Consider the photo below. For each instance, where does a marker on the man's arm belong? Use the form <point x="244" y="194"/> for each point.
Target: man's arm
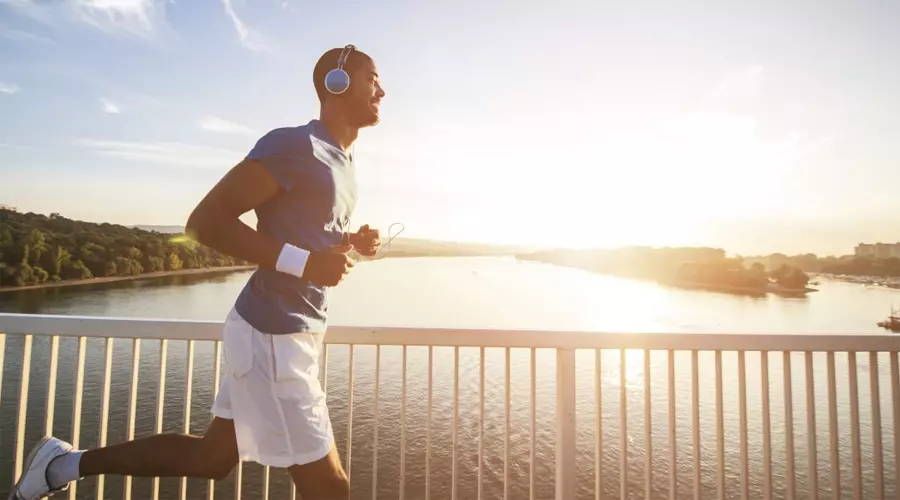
<point x="215" y="222"/>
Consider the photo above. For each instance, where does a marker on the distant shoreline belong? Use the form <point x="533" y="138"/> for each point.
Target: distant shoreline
<point x="678" y="283"/>
<point x="205" y="270"/>
<point x="113" y="279"/>
<point x="726" y="288"/>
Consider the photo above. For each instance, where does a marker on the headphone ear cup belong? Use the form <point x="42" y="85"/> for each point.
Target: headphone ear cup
<point x="337" y="81"/>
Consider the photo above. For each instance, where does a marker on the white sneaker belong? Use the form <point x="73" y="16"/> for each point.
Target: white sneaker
<point x="33" y="483"/>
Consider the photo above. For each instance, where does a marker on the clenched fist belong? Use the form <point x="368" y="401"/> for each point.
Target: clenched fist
<point x="366" y="241"/>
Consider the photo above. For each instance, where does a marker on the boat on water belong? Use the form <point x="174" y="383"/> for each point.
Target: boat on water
<point x="892" y="322"/>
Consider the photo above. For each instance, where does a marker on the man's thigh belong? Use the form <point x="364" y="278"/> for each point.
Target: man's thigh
<point x="323" y="479"/>
<point x="220" y="435"/>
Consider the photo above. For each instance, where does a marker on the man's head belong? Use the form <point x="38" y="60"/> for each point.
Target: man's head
<point x="358" y="105"/>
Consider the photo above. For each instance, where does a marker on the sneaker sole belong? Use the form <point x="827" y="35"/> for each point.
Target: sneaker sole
<point x="13" y="495"/>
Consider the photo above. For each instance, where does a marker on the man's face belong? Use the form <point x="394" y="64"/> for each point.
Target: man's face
<point x="363" y="98"/>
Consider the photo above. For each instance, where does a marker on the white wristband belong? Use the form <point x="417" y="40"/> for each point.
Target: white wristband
<point x="292" y="260"/>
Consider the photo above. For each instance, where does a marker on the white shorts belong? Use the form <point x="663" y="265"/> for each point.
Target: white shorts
<point x="271" y="391"/>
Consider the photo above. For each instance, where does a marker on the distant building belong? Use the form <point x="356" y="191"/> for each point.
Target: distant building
<point x="878" y="250"/>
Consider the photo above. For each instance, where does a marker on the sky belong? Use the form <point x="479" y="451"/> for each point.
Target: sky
<point x="759" y="127"/>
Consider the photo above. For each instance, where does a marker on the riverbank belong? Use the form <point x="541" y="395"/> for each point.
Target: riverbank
<point x="742" y="290"/>
<point x="113" y="279"/>
<point x="650" y="274"/>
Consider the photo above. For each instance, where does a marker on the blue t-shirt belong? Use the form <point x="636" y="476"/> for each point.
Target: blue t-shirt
<point x="311" y="211"/>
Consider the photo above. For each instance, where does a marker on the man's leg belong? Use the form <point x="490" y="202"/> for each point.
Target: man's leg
<point x="324" y="479"/>
<point x="211" y="456"/>
<point x="52" y="464"/>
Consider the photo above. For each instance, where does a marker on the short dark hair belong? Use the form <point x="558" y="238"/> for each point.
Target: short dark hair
<point x="329" y="61"/>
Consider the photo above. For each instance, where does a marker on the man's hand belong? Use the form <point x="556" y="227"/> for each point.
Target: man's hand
<point x="327" y="268"/>
<point x="366" y="241"/>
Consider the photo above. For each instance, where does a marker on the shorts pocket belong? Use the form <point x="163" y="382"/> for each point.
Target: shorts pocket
<point x="238" y="346"/>
<point x="295" y="358"/>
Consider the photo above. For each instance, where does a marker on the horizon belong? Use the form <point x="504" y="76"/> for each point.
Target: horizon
<point x="518" y="246"/>
<point x="756" y="129"/>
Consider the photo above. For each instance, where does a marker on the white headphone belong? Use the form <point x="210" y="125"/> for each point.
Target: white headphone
<point x="337" y="81"/>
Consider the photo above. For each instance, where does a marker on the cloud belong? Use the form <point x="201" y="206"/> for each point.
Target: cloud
<point x="109" y="107"/>
<point x="250" y="38"/>
<point x="9" y="88"/>
<point x="172" y="154"/>
<point x="140" y="18"/>
<point x="216" y="124"/>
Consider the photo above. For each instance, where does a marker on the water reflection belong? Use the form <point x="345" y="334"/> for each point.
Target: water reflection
<point x="501" y="294"/>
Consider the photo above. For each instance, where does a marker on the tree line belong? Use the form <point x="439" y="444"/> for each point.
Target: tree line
<point x="733" y="273"/>
<point x="697" y="265"/>
<point x="847" y="264"/>
<point x="37" y="249"/>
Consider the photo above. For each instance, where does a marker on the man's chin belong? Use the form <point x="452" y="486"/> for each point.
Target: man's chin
<point x="370" y="120"/>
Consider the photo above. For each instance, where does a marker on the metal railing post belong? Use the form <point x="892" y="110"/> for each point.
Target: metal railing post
<point x="565" y="424"/>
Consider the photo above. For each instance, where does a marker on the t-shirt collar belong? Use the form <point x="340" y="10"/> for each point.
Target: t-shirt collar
<point x="323" y="133"/>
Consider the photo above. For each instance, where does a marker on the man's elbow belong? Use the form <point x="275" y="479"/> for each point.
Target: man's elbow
<point x="198" y="225"/>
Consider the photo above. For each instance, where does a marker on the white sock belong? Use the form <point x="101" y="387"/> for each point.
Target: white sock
<point x="64" y="469"/>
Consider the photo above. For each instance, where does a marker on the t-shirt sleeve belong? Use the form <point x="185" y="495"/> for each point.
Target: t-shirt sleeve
<point x="284" y="154"/>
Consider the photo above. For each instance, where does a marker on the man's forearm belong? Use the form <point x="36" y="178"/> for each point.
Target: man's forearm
<point x="236" y="239"/>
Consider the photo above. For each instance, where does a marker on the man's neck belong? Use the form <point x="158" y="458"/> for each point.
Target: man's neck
<point x="343" y="133"/>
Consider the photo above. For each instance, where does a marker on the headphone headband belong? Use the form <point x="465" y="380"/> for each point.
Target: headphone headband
<point x="345" y="54"/>
<point x="337" y="81"/>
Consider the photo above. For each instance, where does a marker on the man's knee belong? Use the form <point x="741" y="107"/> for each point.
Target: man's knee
<point x="219" y="451"/>
<point x="220" y="458"/>
<point x="215" y="462"/>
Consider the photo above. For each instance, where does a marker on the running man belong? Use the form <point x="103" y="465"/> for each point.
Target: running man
<point x="270" y="408"/>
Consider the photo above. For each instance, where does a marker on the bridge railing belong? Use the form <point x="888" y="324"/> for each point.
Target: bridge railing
<point x="436" y="413"/>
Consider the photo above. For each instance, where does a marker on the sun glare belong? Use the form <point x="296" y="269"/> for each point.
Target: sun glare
<point x="656" y="188"/>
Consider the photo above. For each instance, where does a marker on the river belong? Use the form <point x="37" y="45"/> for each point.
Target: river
<point x="481" y="293"/>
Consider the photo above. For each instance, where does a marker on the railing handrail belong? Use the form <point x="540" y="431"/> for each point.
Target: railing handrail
<point x="207" y="330"/>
